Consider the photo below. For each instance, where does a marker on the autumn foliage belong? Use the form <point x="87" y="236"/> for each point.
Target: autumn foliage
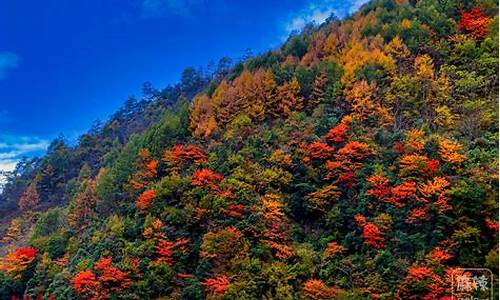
<point x="181" y="155"/>
<point x="338" y="134"/>
<point x="317" y="150"/>
<point x="317" y="290"/>
<point x="29" y="198"/>
<point x="146" y="169"/>
<point x="276" y="234"/>
<point x="422" y="282"/>
<point x="379" y="187"/>
<point x="145" y="199"/>
<point x="418" y="165"/>
<point x="85" y="205"/>
<point x="216" y="285"/>
<point x="205" y="178"/>
<point x="18" y="261"/>
<point x="450" y="151"/>
<point x="474" y="23"/>
<point x="440" y="255"/>
<point x="402" y="193"/>
<point x="354" y="152"/>
<point x="333" y="249"/>
<point x="101" y="282"/>
<point x="372" y="235"/>
<point x="415" y="140"/>
<point x="86" y="284"/>
<point x="323" y="198"/>
<point x="165" y="250"/>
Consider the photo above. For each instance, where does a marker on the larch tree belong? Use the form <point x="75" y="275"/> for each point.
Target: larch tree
<point x="203" y="122"/>
<point x="223" y="245"/>
<point x="276" y="235"/>
<point x="270" y="93"/>
<point x="244" y="91"/>
<point x="366" y="105"/>
<point x="257" y="108"/>
<point x="84" y="205"/>
<point x="219" y="101"/>
<point x="29" y="198"/>
<point x="13" y="232"/>
<point x="397" y="49"/>
<point x="289" y="97"/>
<point x="331" y="45"/>
<point x="318" y="92"/>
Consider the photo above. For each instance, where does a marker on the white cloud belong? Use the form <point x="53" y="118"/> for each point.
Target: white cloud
<point x="8" y="61"/>
<point x="296" y="24"/>
<point x="319" y="11"/>
<point x="12" y="149"/>
<point x="8" y="165"/>
<point x="355" y="4"/>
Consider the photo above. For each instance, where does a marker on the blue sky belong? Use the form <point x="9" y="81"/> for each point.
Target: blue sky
<point x="64" y="64"/>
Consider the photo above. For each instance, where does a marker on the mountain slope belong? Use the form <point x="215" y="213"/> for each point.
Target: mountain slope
<point x="358" y="161"/>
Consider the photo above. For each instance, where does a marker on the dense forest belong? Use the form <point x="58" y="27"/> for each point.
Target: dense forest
<point x="357" y="161"/>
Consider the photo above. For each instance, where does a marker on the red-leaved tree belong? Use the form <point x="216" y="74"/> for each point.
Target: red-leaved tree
<point x="218" y="285"/>
<point x="474" y="23"/>
<point x="102" y="281"/>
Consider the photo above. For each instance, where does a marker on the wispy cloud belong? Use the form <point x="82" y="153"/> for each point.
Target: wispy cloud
<point x="8" y="61"/>
<point x="319" y="11"/>
<point x="13" y="148"/>
<point x="182" y="8"/>
<point x="157" y="8"/>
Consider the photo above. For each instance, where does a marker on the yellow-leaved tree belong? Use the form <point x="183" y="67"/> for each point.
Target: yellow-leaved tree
<point x="203" y="121"/>
<point x="289" y="97"/>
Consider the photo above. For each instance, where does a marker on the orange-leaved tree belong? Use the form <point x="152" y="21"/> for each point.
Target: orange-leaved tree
<point x="18" y="261"/>
<point x="203" y="122"/>
<point x="332" y="249"/>
<point x="450" y="151"/>
<point x="289" y="97"/>
<point x="277" y="233"/>
<point x="146" y="169"/>
<point x="317" y="290"/>
<point x="145" y="199"/>
<point x="29" y="198"/>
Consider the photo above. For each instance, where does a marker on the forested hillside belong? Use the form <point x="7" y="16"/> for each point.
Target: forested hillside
<point x="357" y="161"/>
